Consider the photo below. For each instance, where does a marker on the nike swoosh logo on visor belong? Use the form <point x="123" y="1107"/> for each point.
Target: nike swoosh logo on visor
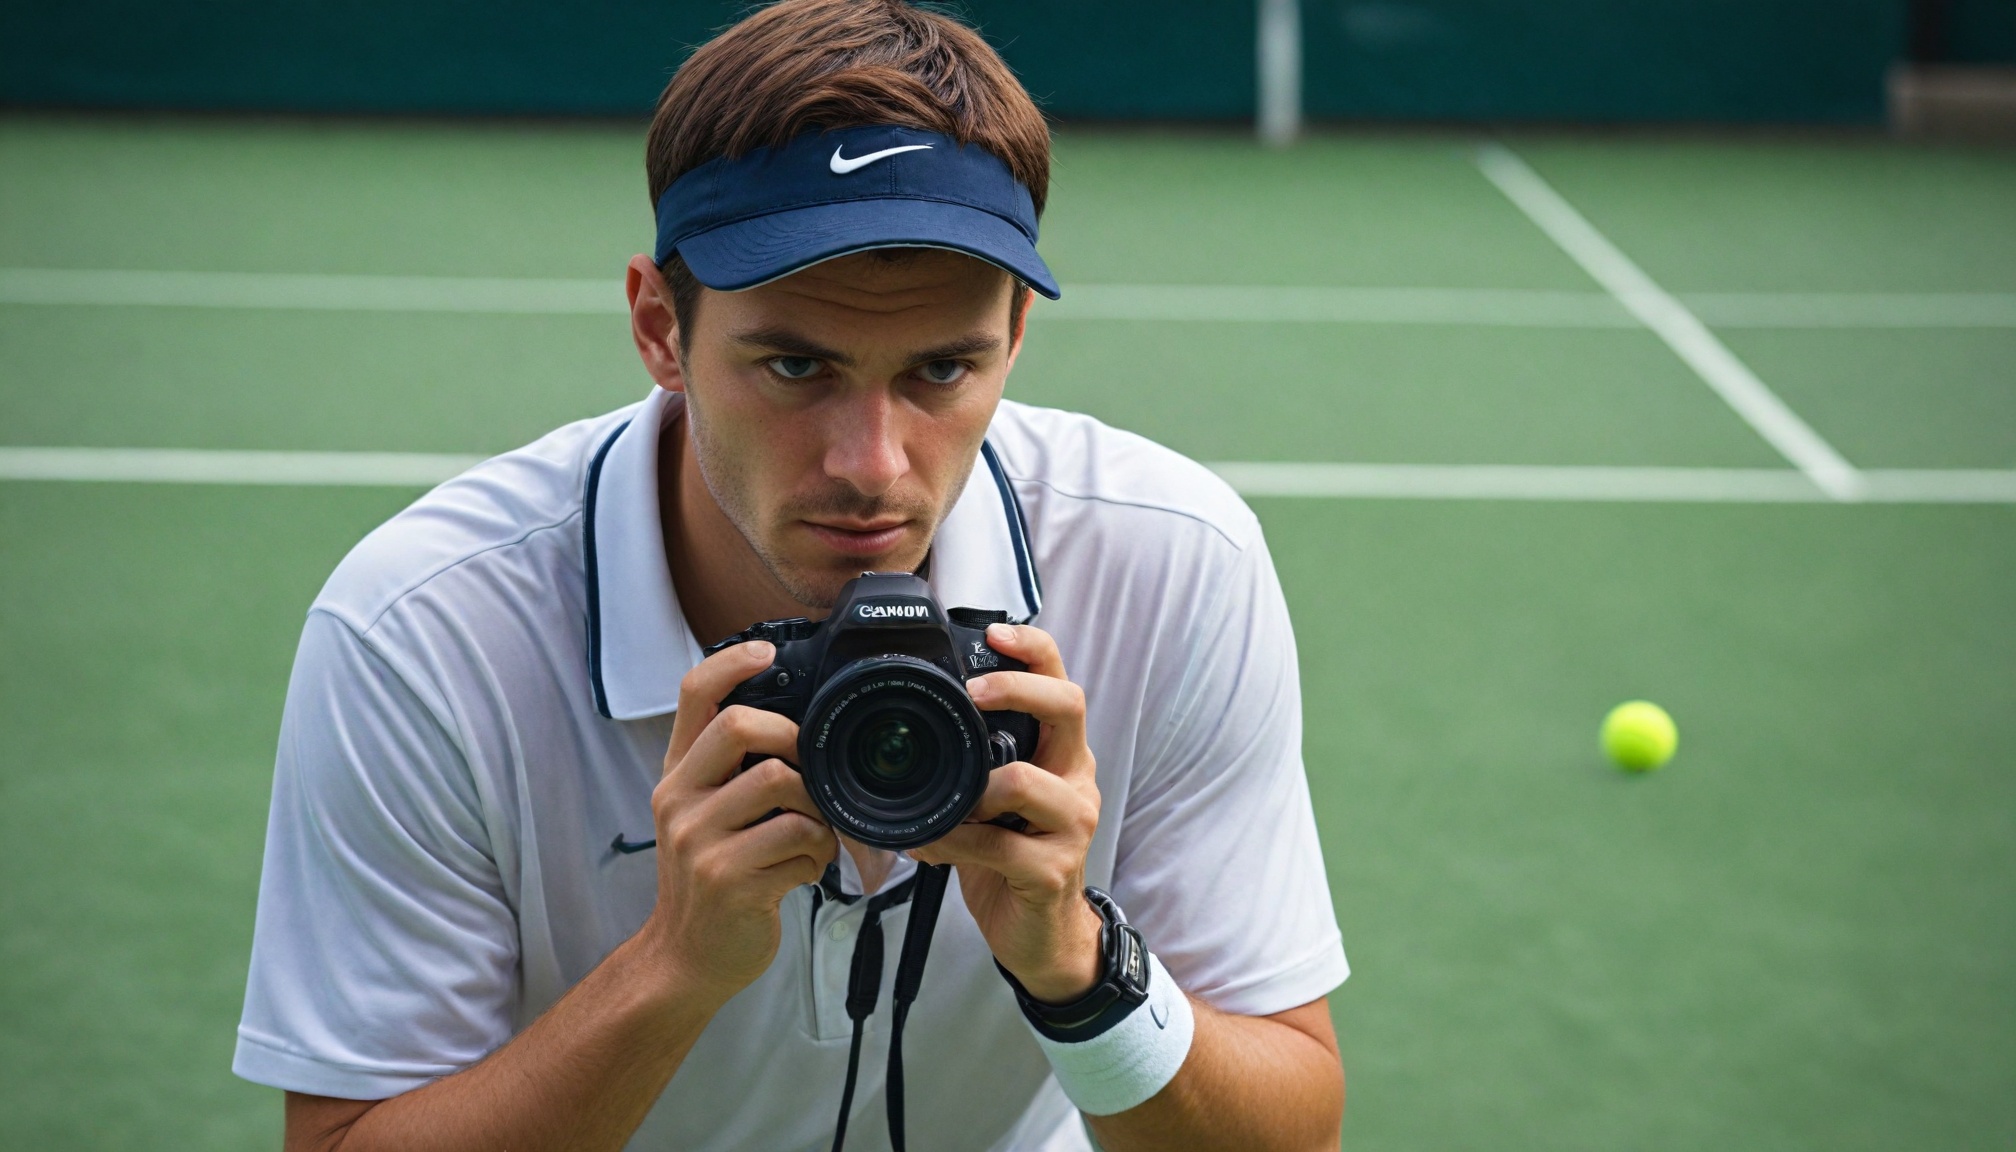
<point x="1161" y="1019"/>
<point x="842" y="166"/>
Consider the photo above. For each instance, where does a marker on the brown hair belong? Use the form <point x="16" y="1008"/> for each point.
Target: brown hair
<point x="803" y="64"/>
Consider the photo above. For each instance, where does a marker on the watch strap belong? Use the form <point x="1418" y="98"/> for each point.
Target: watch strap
<point x="1122" y="987"/>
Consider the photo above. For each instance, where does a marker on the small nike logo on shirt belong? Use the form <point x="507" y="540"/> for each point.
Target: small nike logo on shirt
<point x="842" y="166"/>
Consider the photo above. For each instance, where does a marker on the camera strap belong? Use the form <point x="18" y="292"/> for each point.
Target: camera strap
<point x="924" y="907"/>
<point x="926" y="892"/>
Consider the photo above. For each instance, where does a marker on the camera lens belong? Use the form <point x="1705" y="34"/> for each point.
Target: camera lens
<point x="889" y="753"/>
<point x="894" y="751"/>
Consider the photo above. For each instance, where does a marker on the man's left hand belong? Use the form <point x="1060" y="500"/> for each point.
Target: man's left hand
<point x="1026" y="889"/>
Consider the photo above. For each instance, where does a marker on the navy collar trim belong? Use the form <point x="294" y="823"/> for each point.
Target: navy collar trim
<point x="593" y="571"/>
<point x="1018" y="532"/>
<point x="1027" y="577"/>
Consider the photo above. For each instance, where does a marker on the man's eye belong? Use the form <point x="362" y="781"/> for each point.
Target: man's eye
<point x="794" y="367"/>
<point x="943" y="371"/>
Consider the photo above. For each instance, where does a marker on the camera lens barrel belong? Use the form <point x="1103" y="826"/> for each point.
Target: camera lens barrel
<point x="894" y="752"/>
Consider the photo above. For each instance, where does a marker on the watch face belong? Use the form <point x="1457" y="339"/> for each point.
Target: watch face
<point x="1133" y="966"/>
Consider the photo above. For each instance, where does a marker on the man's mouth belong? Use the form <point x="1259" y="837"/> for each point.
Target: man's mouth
<point x="865" y="539"/>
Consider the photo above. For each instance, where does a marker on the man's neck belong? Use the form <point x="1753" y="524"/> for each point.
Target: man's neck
<point x="723" y="586"/>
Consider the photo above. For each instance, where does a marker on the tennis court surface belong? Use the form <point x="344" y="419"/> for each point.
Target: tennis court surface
<point x="1535" y="426"/>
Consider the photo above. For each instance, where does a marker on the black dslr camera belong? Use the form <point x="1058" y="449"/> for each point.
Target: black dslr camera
<point x="893" y="751"/>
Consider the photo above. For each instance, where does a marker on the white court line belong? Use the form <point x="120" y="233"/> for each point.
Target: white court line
<point x="1522" y="307"/>
<point x="1670" y="320"/>
<point x="1236" y="303"/>
<point x="1489" y="307"/>
<point x="1596" y="483"/>
<point x="1251" y="478"/>
<point x="303" y="291"/>
<point x="1854" y="309"/>
<point x="214" y="466"/>
<point x="1519" y="482"/>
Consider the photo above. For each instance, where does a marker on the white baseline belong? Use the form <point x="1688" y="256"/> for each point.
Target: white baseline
<point x="1251" y="478"/>
<point x="1187" y="303"/>
<point x="313" y="292"/>
<point x="226" y="466"/>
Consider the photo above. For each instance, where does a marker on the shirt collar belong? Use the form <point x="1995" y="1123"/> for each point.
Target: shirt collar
<point x="639" y="644"/>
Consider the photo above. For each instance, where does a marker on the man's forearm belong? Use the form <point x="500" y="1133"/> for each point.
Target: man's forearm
<point x="582" y="1077"/>
<point x="1251" y="1083"/>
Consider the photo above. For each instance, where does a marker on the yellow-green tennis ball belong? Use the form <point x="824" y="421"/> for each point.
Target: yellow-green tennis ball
<point x="1639" y="736"/>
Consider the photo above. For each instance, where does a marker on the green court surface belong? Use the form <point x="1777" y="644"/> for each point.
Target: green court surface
<point x="1801" y="935"/>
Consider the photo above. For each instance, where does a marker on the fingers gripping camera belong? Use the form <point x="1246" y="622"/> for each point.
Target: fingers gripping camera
<point x="893" y="750"/>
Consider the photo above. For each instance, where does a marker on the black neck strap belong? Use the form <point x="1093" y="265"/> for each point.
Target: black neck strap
<point x="926" y="892"/>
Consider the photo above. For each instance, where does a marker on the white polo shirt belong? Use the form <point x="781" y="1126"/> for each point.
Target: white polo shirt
<point x="480" y="707"/>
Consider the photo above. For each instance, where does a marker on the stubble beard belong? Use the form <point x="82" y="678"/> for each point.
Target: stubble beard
<point x="728" y="482"/>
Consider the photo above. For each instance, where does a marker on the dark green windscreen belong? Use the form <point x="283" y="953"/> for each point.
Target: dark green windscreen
<point x="1604" y="60"/>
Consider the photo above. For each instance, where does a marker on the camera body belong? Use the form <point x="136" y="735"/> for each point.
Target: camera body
<point x="894" y="752"/>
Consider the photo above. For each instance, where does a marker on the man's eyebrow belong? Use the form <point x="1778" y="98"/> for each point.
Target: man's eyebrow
<point x="964" y="346"/>
<point x="789" y="343"/>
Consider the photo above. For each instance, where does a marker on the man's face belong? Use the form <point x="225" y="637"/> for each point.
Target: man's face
<point x="837" y="412"/>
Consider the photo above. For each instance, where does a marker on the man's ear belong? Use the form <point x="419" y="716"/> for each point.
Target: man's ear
<point x="654" y="323"/>
<point x="1018" y="323"/>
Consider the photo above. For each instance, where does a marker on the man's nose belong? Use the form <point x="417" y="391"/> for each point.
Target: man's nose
<point x="865" y="443"/>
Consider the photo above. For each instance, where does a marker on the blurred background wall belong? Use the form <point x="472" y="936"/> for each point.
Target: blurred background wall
<point x="1786" y="61"/>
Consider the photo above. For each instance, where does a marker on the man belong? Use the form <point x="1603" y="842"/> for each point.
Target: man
<point x="467" y="938"/>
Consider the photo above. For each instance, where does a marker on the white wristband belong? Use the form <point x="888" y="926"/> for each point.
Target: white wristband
<point x="1132" y="1060"/>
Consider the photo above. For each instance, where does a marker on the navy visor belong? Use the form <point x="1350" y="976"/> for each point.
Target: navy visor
<point x="746" y="221"/>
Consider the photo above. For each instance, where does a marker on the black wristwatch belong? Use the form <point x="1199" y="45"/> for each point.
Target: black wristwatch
<point x="1122" y="987"/>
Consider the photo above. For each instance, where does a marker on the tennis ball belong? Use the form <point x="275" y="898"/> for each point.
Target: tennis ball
<point x="1639" y="736"/>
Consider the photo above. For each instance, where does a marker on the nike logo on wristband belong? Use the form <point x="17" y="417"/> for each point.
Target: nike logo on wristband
<point x="1160" y="1015"/>
<point x="842" y="166"/>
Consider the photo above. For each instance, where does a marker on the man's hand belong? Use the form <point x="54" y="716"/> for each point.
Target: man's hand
<point x="1248" y="1082"/>
<point x="1026" y="889"/>
<point x="723" y="868"/>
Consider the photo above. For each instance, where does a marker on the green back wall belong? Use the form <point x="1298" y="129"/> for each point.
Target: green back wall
<point x="1796" y="60"/>
<point x="1606" y="60"/>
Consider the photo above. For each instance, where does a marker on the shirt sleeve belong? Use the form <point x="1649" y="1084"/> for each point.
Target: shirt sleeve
<point x="385" y="952"/>
<point x="1218" y="861"/>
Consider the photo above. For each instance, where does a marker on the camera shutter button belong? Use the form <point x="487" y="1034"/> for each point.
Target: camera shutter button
<point x="795" y="628"/>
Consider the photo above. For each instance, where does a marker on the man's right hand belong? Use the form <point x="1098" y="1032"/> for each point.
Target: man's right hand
<point x="722" y="868"/>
